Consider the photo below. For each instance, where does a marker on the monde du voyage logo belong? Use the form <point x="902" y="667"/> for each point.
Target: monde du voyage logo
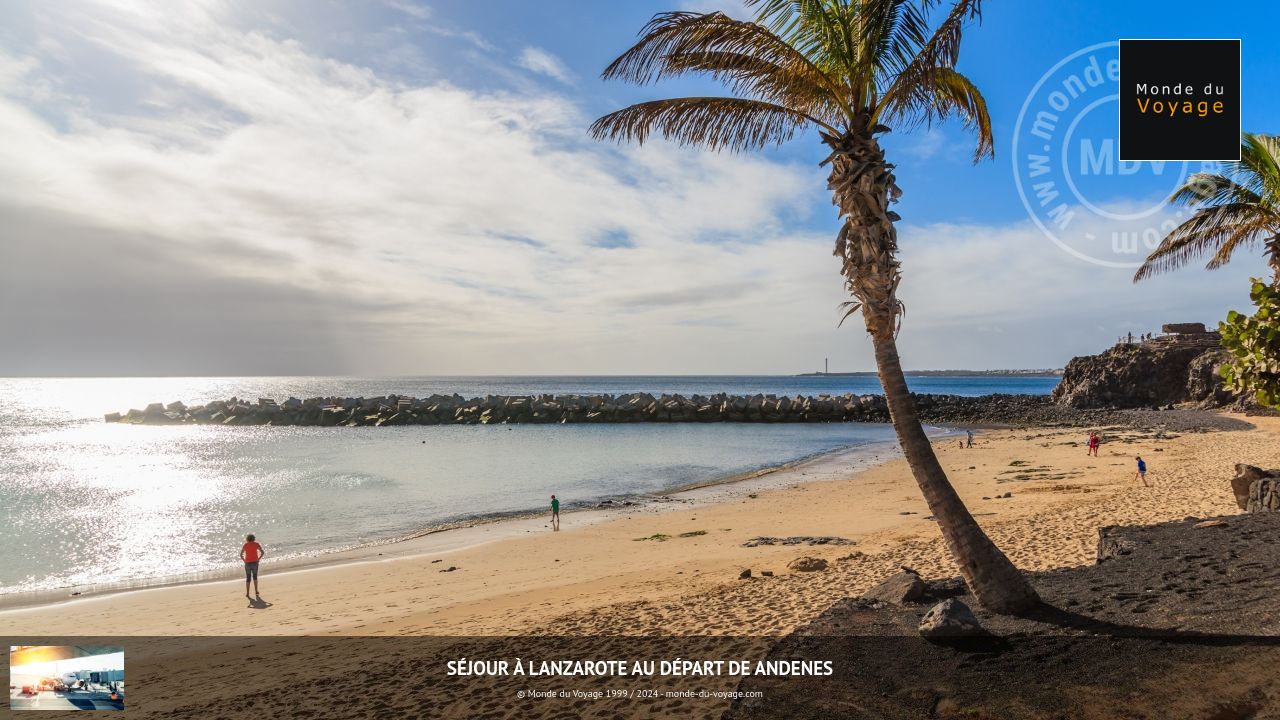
<point x="1179" y="100"/>
<point x="1109" y="131"/>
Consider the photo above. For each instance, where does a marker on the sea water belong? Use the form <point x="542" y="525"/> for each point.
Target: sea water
<point x="85" y="502"/>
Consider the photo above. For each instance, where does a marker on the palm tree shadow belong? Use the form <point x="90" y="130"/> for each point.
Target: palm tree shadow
<point x="1051" y="615"/>
<point x="258" y="603"/>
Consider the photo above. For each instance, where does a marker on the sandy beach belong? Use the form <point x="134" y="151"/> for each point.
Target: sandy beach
<point x="659" y="570"/>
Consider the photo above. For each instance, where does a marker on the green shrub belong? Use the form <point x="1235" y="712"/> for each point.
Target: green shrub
<point x="1253" y="342"/>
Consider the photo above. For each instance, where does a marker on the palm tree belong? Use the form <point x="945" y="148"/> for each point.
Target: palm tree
<point x="1239" y="207"/>
<point x="849" y="69"/>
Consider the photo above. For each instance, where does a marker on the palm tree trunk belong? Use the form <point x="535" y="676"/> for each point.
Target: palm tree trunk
<point x="1273" y="259"/>
<point x="863" y="185"/>
<point x="997" y="584"/>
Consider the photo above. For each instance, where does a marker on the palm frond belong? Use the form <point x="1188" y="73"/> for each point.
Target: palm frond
<point x="823" y="30"/>
<point x="1243" y="236"/>
<point x="733" y="124"/>
<point x="941" y="50"/>
<point x="901" y="42"/>
<point x="746" y="55"/>
<point x="943" y="47"/>
<point x="939" y="93"/>
<point x="1259" y="165"/>
<point x="1238" y="207"/>
<point x="1212" y="189"/>
<point x="748" y="76"/>
<point x="1207" y="231"/>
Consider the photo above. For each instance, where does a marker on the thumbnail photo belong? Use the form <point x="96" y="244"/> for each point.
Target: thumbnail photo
<point x="66" y="677"/>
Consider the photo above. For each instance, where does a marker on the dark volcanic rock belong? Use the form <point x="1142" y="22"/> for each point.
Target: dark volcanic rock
<point x="898" y="589"/>
<point x="1127" y="376"/>
<point x="1245" y="476"/>
<point x="1255" y="489"/>
<point x="799" y="540"/>
<point x="1112" y="544"/>
<point x="949" y="619"/>
<point x="1204" y="384"/>
<point x="953" y="410"/>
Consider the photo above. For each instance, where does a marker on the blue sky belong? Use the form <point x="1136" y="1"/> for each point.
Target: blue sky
<point x="405" y="187"/>
<point x="1005" y="55"/>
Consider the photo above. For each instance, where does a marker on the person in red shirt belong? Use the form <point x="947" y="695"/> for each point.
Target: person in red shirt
<point x="251" y="553"/>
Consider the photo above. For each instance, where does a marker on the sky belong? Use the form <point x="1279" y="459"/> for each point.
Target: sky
<point x="92" y="663"/>
<point x="402" y="187"/>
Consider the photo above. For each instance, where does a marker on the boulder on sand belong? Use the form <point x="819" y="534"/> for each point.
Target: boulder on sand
<point x="899" y="589"/>
<point x="807" y="564"/>
<point x="1245" y="475"/>
<point x="1112" y="544"/>
<point x="1256" y="490"/>
<point x="950" y="619"/>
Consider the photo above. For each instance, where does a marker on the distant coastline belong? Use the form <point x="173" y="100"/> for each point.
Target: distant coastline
<point x="945" y="373"/>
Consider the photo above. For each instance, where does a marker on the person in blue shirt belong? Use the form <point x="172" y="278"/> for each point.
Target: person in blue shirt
<point x="1142" y="471"/>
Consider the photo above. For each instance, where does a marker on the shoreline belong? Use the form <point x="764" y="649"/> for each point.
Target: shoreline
<point x="676" y="568"/>
<point x="455" y="536"/>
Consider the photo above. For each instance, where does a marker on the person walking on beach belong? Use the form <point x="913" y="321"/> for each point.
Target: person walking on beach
<point x="1094" y="442"/>
<point x="251" y="553"/>
<point x="555" y="513"/>
<point x="1142" y="471"/>
<point x="969" y="433"/>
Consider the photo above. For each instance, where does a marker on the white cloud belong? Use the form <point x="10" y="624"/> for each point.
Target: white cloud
<point x="964" y="283"/>
<point x="544" y="63"/>
<point x="476" y="214"/>
<point x="412" y="9"/>
<point x="194" y="195"/>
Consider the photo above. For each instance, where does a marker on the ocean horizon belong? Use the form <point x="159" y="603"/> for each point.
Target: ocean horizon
<point x="92" y="503"/>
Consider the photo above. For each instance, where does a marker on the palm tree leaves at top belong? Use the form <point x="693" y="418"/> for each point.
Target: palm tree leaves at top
<point x="1236" y="208"/>
<point x="840" y="66"/>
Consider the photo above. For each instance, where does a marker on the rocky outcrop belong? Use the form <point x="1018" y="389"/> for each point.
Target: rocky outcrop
<point x="1127" y="376"/>
<point x="1204" y="385"/>
<point x="1179" y="367"/>
<point x="1255" y="489"/>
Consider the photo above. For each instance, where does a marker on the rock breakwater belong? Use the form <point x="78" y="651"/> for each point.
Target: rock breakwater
<point x="393" y="410"/>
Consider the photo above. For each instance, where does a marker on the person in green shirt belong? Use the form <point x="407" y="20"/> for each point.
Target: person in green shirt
<point x="555" y="513"/>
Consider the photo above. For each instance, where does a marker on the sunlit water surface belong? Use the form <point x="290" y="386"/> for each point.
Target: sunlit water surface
<point x="85" y="502"/>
